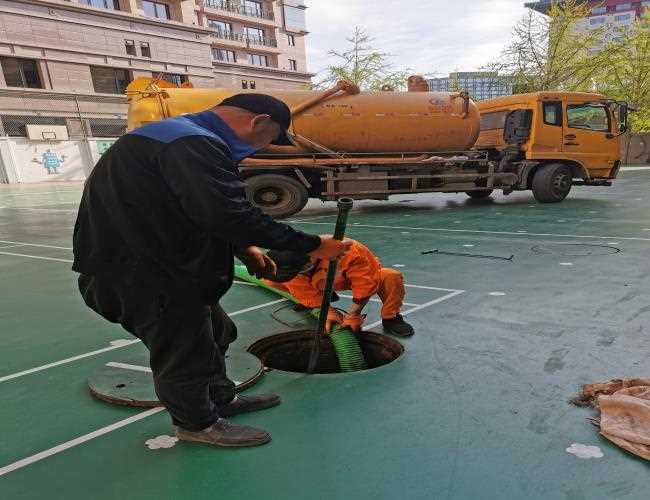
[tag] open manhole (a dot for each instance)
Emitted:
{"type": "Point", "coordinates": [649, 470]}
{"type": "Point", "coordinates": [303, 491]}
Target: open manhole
{"type": "Point", "coordinates": [290, 351]}
{"type": "Point", "coordinates": [575, 249]}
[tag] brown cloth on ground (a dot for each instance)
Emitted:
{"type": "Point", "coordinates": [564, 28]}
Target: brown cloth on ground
{"type": "Point", "coordinates": [624, 412]}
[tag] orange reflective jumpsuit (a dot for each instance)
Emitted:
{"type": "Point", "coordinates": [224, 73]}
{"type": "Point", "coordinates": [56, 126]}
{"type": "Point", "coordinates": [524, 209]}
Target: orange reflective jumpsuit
{"type": "Point", "coordinates": [359, 271]}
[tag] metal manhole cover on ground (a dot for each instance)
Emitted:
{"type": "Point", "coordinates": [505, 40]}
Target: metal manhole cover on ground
{"type": "Point", "coordinates": [575, 249]}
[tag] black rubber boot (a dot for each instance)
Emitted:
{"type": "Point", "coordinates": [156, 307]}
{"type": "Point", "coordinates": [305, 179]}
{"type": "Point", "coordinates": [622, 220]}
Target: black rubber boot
{"type": "Point", "coordinates": [223, 433]}
{"type": "Point", "coordinates": [247, 404]}
{"type": "Point", "coordinates": [397, 326]}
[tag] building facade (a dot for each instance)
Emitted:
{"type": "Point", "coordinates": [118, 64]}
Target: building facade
{"type": "Point", "coordinates": [481, 85]}
{"type": "Point", "coordinates": [68, 62]}
{"type": "Point", "coordinates": [614, 15]}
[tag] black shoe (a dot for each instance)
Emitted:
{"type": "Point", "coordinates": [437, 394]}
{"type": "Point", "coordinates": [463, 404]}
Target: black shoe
{"type": "Point", "coordinates": [397, 326]}
{"type": "Point", "coordinates": [246, 404]}
{"type": "Point", "coordinates": [300, 308]}
{"type": "Point", "coordinates": [223, 433]}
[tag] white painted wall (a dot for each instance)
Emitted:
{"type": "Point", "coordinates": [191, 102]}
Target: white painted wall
{"type": "Point", "coordinates": [23, 160]}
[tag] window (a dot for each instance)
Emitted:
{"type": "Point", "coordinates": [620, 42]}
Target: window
{"type": "Point", "coordinates": [145, 50]}
{"type": "Point", "coordinates": [224, 55]}
{"type": "Point", "coordinates": [596, 21]}
{"type": "Point", "coordinates": [291, 39]}
{"type": "Point", "coordinates": [14, 125]}
{"type": "Point", "coordinates": [258, 60]}
{"type": "Point", "coordinates": [293, 65]}
{"type": "Point", "coordinates": [109, 80]}
{"type": "Point", "coordinates": [104, 4]}
{"type": "Point", "coordinates": [129, 45]}
{"type": "Point", "coordinates": [155, 9]}
{"type": "Point", "coordinates": [622, 17]}
{"type": "Point", "coordinates": [244, 84]}
{"type": "Point", "coordinates": [107, 127]}
{"type": "Point", "coordinates": [294, 17]}
{"type": "Point", "coordinates": [589, 117]}
{"type": "Point", "coordinates": [174, 78]}
{"type": "Point", "coordinates": [254, 34]}
{"type": "Point", "coordinates": [599, 10]}
{"type": "Point", "coordinates": [21, 73]}
{"type": "Point", "coordinates": [553, 113]}
{"type": "Point", "coordinates": [623, 6]}
{"type": "Point", "coordinates": [493, 121]}
{"type": "Point", "coordinates": [253, 85]}
{"type": "Point", "coordinates": [220, 26]}
{"type": "Point", "coordinates": [253, 8]}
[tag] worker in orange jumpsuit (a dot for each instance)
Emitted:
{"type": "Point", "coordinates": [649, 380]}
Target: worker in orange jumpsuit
{"type": "Point", "coordinates": [359, 271]}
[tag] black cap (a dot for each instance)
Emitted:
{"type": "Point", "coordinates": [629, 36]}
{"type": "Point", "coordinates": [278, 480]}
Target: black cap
{"type": "Point", "coordinates": [289, 264]}
{"type": "Point", "coordinates": [263, 104]}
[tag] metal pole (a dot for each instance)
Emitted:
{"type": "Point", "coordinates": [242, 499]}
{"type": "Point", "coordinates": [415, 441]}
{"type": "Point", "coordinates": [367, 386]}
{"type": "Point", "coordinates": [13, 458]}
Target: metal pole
{"type": "Point", "coordinates": [344, 206]}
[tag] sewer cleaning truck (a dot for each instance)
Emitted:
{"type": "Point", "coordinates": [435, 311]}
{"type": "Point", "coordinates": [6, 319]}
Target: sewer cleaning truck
{"type": "Point", "coordinates": [370, 145]}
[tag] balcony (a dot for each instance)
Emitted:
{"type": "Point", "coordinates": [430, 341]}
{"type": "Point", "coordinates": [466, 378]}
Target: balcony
{"type": "Point", "coordinates": [239, 9]}
{"type": "Point", "coordinates": [242, 40]}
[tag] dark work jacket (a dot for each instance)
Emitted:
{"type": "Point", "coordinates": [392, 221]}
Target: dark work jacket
{"type": "Point", "coordinates": [168, 199]}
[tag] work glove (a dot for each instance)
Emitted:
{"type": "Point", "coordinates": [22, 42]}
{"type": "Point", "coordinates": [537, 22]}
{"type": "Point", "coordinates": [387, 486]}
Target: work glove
{"type": "Point", "coordinates": [334, 318]}
{"type": "Point", "coordinates": [353, 321]}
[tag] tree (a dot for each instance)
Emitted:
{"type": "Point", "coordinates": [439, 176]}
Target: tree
{"type": "Point", "coordinates": [363, 65]}
{"type": "Point", "coordinates": [554, 51]}
{"type": "Point", "coordinates": [626, 74]}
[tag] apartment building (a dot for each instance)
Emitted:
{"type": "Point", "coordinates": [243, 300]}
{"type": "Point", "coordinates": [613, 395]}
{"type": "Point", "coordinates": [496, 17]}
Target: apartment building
{"type": "Point", "coordinates": [480, 84]}
{"type": "Point", "coordinates": [68, 62]}
{"type": "Point", "coordinates": [614, 15]}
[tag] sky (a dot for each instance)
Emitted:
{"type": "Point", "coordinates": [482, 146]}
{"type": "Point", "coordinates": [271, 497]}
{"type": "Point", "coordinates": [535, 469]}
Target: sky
{"type": "Point", "coordinates": [432, 37]}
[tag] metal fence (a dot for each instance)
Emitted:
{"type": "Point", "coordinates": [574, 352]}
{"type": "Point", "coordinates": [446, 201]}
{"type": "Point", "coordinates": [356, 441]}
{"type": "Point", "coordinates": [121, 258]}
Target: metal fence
{"type": "Point", "coordinates": [84, 116]}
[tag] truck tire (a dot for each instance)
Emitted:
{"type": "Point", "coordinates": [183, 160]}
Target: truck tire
{"type": "Point", "coordinates": [552, 183]}
{"type": "Point", "coordinates": [279, 196]}
{"type": "Point", "coordinates": [479, 195]}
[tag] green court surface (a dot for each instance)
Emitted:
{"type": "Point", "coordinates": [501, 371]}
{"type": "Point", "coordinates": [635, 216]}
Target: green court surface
{"type": "Point", "coordinates": [476, 408]}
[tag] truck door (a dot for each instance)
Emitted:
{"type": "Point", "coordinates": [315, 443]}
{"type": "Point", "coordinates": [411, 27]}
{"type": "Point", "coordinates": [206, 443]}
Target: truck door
{"type": "Point", "coordinates": [588, 137]}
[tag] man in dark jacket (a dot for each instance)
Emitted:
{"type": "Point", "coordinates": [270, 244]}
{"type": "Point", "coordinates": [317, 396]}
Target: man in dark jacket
{"type": "Point", "coordinates": [162, 215]}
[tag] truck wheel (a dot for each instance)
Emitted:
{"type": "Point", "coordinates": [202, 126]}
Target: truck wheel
{"type": "Point", "coordinates": [552, 183]}
{"type": "Point", "coordinates": [278, 195]}
{"type": "Point", "coordinates": [479, 195]}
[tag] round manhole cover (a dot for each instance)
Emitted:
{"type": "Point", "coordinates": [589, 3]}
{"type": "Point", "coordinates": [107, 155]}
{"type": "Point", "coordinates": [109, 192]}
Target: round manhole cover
{"type": "Point", "coordinates": [575, 249]}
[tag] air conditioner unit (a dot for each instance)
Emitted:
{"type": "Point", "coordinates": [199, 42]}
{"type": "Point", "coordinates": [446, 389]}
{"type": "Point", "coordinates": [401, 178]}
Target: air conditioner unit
{"type": "Point", "coordinates": [47, 132]}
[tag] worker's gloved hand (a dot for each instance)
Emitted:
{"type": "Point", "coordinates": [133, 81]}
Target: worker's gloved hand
{"type": "Point", "coordinates": [334, 318]}
{"type": "Point", "coordinates": [353, 321]}
{"type": "Point", "coordinates": [257, 262]}
{"type": "Point", "coordinates": [331, 249]}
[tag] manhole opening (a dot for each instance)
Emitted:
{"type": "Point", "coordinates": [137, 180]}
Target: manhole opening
{"type": "Point", "coordinates": [290, 351]}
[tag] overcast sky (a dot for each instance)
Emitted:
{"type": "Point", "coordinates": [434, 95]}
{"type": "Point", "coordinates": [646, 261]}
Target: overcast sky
{"type": "Point", "coordinates": [428, 36]}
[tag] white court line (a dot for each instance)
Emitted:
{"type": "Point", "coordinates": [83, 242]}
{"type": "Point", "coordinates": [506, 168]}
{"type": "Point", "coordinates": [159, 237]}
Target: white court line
{"type": "Point", "coordinates": [77, 441]}
{"type": "Point", "coordinates": [477, 231]}
{"type": "Point", "coordinates": [254, 308]}
{"type": "Point", "coordinates": [378, 300]}
{"type": "Point", "coordinates": [34, 257]}
{"type": "Point", "coordinates": [37, 193]}
{"type": "Point", "coordinates": [34, 245]}
{"type": "Point", "coordinates": [67, 360]}
{"type": "Point", "coordinates": [423, 306]}
{"type": "Point", "coordinates": [126, 366]}
{"type": "Point", "coordinates": [430, 288]}
{"type": "Point", "coordinates": [107, 349]}
{"type": "Point", "coordinates": [34, 209]}
{"type": "Point", "coordinates": [10, 246]}
{"type": "Point", "coordinates": [245, 283]}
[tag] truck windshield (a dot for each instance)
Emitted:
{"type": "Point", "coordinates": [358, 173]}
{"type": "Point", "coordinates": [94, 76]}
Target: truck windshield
{"type": "Point", "coordinates": [589, 117]}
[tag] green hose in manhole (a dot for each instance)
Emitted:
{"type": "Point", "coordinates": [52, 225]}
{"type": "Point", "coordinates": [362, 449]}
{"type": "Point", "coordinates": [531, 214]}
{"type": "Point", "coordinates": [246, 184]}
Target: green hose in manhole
{"type": "Point", "coordinates": [345, 342]}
